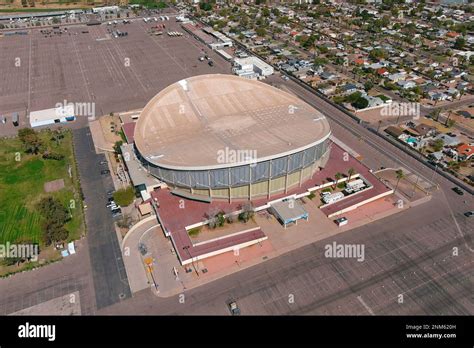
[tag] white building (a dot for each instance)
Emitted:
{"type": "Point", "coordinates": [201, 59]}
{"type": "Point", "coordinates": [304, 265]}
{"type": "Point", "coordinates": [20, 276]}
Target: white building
{"type": "Point", "coordinates": [105, 9]}
{"type": "Point", "coordinates": [252, 67]}
{"type": "Point", "coordinates": [222, 40]}
{"type": "Point", "coordinates": [52, 116]}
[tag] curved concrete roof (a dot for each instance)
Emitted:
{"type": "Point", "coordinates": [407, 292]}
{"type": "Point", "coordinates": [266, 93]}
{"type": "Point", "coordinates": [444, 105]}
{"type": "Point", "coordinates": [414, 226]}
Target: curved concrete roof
{"type": "Point", "coordinates": [190, 124]}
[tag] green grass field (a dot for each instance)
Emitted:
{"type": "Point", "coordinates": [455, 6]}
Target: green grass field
{"type": "Point", "coordinates": [21, 187]}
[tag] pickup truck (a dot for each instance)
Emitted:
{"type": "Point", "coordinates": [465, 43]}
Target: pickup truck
{"type": "Point", "coordinates": [233, 308]}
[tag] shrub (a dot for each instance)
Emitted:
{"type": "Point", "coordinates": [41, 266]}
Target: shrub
{"type": "Point", "coordinates": [124, 197]}
{"type": "Point", "coordinates": [194, 231]}
{"type": "Point", "coordinates": [53, 156]}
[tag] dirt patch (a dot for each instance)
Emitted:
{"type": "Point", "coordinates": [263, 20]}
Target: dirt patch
{"type": "Point", "coordinates": [111, 128]}
{"type": "Point", "coordinates": [53, 186]}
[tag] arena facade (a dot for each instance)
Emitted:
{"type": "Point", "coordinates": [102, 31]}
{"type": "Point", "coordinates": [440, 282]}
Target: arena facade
{"type": "Point", "coordinates": [226, 137]}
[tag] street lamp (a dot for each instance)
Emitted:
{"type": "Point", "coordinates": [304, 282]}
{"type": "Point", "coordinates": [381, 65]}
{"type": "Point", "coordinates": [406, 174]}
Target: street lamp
{"type": "Point", "coordinates": [192, 259]}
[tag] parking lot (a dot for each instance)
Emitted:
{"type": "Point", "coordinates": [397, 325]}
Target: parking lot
{"type": "Point", "coordinates": [87, 64]}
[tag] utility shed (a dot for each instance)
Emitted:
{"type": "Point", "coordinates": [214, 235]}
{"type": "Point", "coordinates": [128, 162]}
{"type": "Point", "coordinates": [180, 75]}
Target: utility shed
{"type": "Point", "coordinates": [289, 211]}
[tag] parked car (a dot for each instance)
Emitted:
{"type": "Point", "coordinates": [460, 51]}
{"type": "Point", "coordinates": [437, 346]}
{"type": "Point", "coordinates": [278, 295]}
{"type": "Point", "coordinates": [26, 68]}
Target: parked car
{"type": "Point", "coordinates": [233, 308]}
{"type": "Point", "coordinates": [341, 221]}
{"type": "Point", "coordinates": [211, 63]}
{"type": "Point", "coordinates": [102, 163]}
{"type": "Point", "coordinates": [458, 191]}
{"type": "Point", "coordinates": [110, 193]}
{"type": "Point", "coordinates": [469, 213]}
{"type": "Point", "coordinates": [110, 202]}
{"type": "Point", "coordinates": [105, 171]}
{"type": "Point", "coordinates": [116, 212]}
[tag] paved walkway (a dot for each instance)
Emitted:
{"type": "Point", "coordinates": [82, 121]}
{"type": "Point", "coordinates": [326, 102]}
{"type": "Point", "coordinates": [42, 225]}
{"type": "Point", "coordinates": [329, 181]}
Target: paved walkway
{"type": "Point", "coordinates": [100, 142]}
{"type": "Point", "coordinates": [132, 258]}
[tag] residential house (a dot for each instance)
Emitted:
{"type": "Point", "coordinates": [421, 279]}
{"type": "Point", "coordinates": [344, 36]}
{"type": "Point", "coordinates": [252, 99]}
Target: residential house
{"type": "Point", "coordinates": [382, 72]}
{"type": "Point", "coordinates": [425, 130]}
{"type": "Point", "coordinates": [394, 131]}
{"type": "Point", "coordinates": [436, 156]}
{"type": "Point", "coordinates": [465, 151]}
{"type": "Point", "coordinates": [348, 88]}
{"type": "Point", "coordinates": [448, 140]}
{"type": "Point", "coordinates": [397, 77]}
{"type": "Point", "coordinates": [406, 84]}
{"type": "Point", "coordinates": [326, 75]}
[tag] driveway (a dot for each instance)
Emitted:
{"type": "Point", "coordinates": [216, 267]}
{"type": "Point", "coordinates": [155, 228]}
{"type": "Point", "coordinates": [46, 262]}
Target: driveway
{"type": "Point", "coordinates": [108, 271]}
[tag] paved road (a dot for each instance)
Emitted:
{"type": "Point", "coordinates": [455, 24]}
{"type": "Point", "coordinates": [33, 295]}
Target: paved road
{"type": "Point", "coordinates": [108, 271]}
{"type": "Point", "coordinates": [49, 282]}
{"type": "Point", "coordinates": [414, 259]}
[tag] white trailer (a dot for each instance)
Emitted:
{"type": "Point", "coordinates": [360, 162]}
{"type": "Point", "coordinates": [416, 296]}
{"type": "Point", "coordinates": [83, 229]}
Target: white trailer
{"type": "Point", "coordinates": [333, 197]}
{"type": "Point", "coordinates": [355, 185]}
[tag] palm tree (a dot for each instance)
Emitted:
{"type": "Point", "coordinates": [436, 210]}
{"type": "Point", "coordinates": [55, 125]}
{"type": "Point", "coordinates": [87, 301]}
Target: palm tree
{"type": "Point", "coordinates": [350, 172]}
{"type": "Point", "coordinates": [400, 175]}
{"type": "Point", "coordinates": [338, 176]}
{"type": "Point", "coordinates": [436, 113]}
{"type": "Point", "coordinates": [447, 119]}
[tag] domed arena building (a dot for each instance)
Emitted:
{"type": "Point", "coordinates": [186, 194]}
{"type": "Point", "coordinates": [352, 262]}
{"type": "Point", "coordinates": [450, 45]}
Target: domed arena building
{"type": "Point", "coordinates": [226, 137]}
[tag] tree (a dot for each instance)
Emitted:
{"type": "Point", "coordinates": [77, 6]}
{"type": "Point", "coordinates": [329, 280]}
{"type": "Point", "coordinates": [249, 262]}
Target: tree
{"type": "Point", "coordinates": [125, 196]}
{"type": "Point", "coordinates": [378, 53]}
{"type": "Point", "coordinates": [117, 147]}
{"type": "Point", "coordinates": [460, 43]}
{"type": "Point", "coordinates": [57, 135]}
{"type": "Point", "coordinates": [368, 86]}
{"type": "Point", "coordinates": [247, 212]}
{"type": "Point", "coordinates": [447, 118]}
{"type": "Point", "coordinates": [360, 103]}
{"type": "Point", "coordinates": [205, 6]}
{"type": "Point", "coordinates": [435, 114]}
{"type": "Point", "coordinates": [353, 97]}
{"type": "Point", "coordinates": [56, 216]}
{"type": "Point", "coordinates": [53, 210]}
{"type": "Point", "coordinates": [261, 31]}
{"type": "Point", "coordinates": [400, 175]}
{"type": "Point", "coordinates": [350, 172]}
{"type": "Point", "coordinates": [438, 144]}
{"type": "Point", "coordinates": [54, 233]}
{"type": "Point", "coordinates": [30, 140]}
{"type": "Point", "coordinates": [337, 176]}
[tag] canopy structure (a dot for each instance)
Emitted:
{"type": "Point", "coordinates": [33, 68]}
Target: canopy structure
{"type": "Point", "coordinates": [289, 211]}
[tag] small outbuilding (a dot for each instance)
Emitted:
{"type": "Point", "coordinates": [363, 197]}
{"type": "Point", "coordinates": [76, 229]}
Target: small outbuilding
{"type": "Point", "coordinates": [289, 211]}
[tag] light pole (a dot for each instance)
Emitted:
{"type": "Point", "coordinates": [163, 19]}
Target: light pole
{"type": "Point", "coordinates": [192, 259]}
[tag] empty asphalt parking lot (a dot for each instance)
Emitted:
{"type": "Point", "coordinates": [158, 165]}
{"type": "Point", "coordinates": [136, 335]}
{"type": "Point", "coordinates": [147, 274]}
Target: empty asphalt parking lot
{"type": "Point", "coordinates": [88, 65]}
